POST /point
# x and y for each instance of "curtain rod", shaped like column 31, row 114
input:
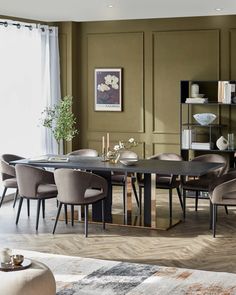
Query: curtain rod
column 19, row 25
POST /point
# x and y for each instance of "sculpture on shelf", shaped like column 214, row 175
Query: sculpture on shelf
column 222, row 143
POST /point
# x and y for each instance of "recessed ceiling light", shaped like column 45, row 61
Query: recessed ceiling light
column 110, row 6
column 218, row 9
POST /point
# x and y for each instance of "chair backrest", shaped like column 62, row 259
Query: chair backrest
column 29, row 178
column 167, row 157
column 7, row 170
column 72, row 185
column 214, row 158
column 84, row 152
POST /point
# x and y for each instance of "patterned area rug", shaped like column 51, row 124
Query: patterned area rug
column 85, row 276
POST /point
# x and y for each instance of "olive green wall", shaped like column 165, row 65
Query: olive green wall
column 154, row 55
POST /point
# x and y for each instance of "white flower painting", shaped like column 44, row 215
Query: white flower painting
column 108, row 89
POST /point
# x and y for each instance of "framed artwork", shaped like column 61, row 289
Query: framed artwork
column 108, row 89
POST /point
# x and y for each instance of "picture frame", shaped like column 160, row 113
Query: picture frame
column 108, row 89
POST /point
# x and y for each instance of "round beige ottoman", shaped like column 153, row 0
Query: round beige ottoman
column 35, row 280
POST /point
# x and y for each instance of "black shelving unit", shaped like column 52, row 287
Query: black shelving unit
column 213, row 131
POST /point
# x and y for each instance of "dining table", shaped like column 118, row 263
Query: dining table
column 149, row 168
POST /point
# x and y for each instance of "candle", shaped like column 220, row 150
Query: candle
column 108, row 142
column 103, row 144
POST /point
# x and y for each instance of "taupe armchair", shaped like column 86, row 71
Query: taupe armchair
column 222, row 193
column 119, row 179
column 84, row 152
column 35, row 184
column 202, row 183
column 168, row 182
column 80, row 188
column 9, row 175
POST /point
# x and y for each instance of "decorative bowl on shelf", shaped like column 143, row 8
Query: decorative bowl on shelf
column 204, row 118
column 128, row 162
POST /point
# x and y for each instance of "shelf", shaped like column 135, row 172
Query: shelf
column 210, row 103
column 208, row 126
column 211, row 150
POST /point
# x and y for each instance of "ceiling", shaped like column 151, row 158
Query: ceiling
column 91, row 10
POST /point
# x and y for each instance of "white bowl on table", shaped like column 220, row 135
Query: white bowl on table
column 128, row 162
column 204, row 119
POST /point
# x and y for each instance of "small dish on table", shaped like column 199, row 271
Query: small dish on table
column 129, row 162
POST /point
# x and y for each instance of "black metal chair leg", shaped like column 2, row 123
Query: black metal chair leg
column 58, row 214
column 211, row 213
column 196, row 200
column 140, row 201
column 3, row 196
column 180, row 197
column 86, row 220
column 28, row 207
column 72, row 215
column 214, row 220
column 135, row 191
column 226, row 210
column 38, row 212
column 15, row 198
column 170, row 203
column 184, row 203
column 19, row 210
column 124, row 197
column 43, row 208
column 103, row 214
column 65, row 210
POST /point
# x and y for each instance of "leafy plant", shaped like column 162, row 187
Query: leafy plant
column 60, row 120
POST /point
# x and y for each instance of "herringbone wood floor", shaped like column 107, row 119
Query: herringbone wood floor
column 189, row 244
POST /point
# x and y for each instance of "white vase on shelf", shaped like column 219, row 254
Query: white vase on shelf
column 222, row 143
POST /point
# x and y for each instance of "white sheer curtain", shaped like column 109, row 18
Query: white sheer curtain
column 29, row 79
column 29, row 82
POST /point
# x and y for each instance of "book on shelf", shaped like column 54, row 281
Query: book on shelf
column 201, row 145
column 196, row 100
column 226, row 90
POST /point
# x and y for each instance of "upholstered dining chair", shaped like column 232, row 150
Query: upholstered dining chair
column 119, row 178
column 35, row 184
column 168, row 182
column 202, row 183
column 9, row 175
column 80, row 188
column 84, row 152
column 222, row 192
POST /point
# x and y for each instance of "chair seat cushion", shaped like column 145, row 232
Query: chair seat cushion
column 197, row 184
column 47, row 191
column 10, row 183
column 92, row 195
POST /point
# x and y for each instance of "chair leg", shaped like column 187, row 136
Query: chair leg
column 72, row 215
column 65, row 210
column 211, row 213
column 43, row 208
column 19, row 209
column 180, row 197
column 135, row 191
column 124, row 197
column 38, row 212
column 15, row 198
column 86, row 220
column 58, row 214
column 214, row 220
column 103, row 214
column 140, row 200
column 196, row 200
column 184, row 203
column 170, row 203
column 226, row 210
column 3, row 196
column 28, row 207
